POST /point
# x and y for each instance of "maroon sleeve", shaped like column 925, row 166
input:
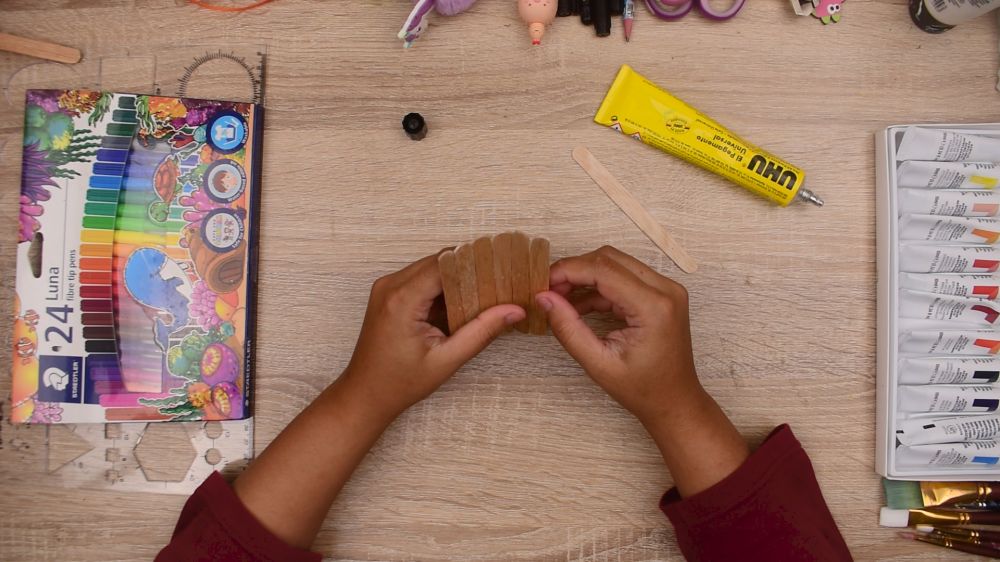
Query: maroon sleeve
column 771, row 508
column 214, row 525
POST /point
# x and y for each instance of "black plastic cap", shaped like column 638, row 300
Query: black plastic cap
column 415, row 126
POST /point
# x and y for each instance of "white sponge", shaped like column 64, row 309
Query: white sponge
column 889, row 517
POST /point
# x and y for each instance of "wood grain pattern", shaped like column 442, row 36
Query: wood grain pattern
column 501, row 267
column 452, row 288
column 520, row 274
column 465, row 259
column 520, row 457
column 485, row 272
column 634, row 209
column 538, row 323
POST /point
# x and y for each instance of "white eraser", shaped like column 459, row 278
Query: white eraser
column 889, row 517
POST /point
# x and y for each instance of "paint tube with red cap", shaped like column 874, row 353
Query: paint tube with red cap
column 928, row 306
column 980, row 203
column 923, row 258
column 949, row 370
column 982, row 398
column 969, row 286
column 931, row 228
column 950, row 342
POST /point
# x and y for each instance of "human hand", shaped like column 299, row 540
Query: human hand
column 401, row 357
column 648, row 365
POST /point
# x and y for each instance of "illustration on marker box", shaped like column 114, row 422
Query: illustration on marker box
column 134, row 293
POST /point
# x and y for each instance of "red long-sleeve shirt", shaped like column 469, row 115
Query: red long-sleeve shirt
column 770, row 509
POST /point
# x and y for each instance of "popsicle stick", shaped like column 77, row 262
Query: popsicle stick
column 39, row 49
column 520, row 273
column 466, row 259
column 448, row 265
column 487, row 287
column 501, row 267
column 539, row 281
column 634, row 209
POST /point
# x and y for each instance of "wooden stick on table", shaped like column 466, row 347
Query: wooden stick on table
column 40, row 49
column 634, row 209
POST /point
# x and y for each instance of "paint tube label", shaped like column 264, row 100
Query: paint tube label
column 930, row 228
column 949, row 398
column 948, row 430
column 949, row 370
column 946, row 146
column 948, row 175
column 928, row 306
column 922, row 258
column 949, row 203
column 969, row 286
column 984, row 454
column 950, row 342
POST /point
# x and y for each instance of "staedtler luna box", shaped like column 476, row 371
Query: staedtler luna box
column 136, row 258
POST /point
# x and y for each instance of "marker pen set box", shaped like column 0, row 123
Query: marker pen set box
column 938, row 255
column 135, row 258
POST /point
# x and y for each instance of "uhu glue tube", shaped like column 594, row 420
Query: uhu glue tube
column 956, row 429
column 636, row 107
column 946, row 202
column 949, row 370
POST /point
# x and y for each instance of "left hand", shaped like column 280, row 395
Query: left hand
column 400, row 357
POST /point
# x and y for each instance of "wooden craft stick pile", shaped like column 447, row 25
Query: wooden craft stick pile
column 509, row 268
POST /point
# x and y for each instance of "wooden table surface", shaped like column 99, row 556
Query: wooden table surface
column 520, row 456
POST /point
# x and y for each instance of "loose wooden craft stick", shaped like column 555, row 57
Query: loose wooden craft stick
column 501, row 267
column 539, row 281
column 520, row 267
column 448, row 266
column 39, row 49
column 634, row 209
column 466, row 258
column 486, row 284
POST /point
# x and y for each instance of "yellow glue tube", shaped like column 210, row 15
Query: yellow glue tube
column 636, row 107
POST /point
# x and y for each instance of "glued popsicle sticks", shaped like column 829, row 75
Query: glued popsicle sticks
column 509, row 268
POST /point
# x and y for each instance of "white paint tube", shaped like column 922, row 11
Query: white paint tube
column 956, row 429
column 923, row 258
column 949, row 370
column 975, row 454
column 949, row 398
column 948, row 175
column 930, row 228
column 949, row 203
column 946, row 146
column 950, row 342
column 958, row 310
column 969, row 286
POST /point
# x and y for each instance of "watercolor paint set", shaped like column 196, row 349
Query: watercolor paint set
column 136, row 258
column 938, row 339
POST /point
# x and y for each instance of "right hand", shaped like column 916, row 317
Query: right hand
column 648, row 365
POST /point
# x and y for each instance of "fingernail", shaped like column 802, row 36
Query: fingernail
column 545, row 303
column 512, row 319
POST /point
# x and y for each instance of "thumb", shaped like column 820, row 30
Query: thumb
column 572, row 332
column 473, row 337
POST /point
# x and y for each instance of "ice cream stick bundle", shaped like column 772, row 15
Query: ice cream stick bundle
column 508, row 268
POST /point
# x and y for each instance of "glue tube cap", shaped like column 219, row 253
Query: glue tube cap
column 415, row 126
column 889, row 517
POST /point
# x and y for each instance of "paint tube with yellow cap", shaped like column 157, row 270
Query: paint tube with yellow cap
column 948, row 175
column 636, row 107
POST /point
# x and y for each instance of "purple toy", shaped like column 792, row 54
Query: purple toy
column 417, row 21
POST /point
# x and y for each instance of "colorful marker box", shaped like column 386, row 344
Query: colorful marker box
column 136, row 258
column 938, row 264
